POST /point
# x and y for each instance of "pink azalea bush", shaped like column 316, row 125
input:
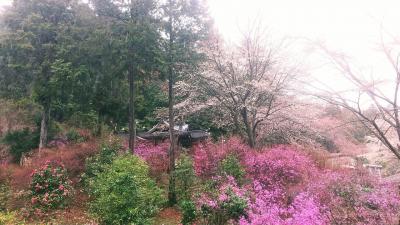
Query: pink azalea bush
column 208, row 155
column 156, row 156
column 226, row 202
column 269, row 207
column 354, row 197
column 280, row 166
column 285, row 187
column 50, row 186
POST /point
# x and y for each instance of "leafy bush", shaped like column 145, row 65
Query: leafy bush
column 124, row 193
column 21, row 141
column 184, row 177
column 189, row 212
column 230, row 166
column 229, row 203
column 5, row 194
column 99, row 163
column 50, row 187
column 10, row 218
column 74, row 136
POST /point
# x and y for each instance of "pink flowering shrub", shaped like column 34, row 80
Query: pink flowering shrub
column 156, row 156
column 269, row 207
column 207, row 155
column 331, row 197
column 356, row 198
column 280, row 166
column 287, row 188
column 229, row 203
column 50, row 187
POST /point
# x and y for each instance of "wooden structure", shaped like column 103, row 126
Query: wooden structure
column 160, row 132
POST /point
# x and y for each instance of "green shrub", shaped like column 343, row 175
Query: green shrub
column 188, row 209
column 124, row 193
column 232, row 207
column 5, row 194
column 99, row 163
column 230, row 166
column 87, row 120
column 50, row 187
column 74, row 136
column 10, row 218
column 184, row 177
column 21, row 141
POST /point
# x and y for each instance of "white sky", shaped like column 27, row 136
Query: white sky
column 342, row 22
column 352, row 26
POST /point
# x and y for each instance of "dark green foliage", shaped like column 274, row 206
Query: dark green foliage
column 125, row 194
column 189, row 212
column 235, row 207
column 5, row 192
column 99, row 163
column 231, row 209
column 149, row 98
column 185, row 177
column 74, row 136
column 230, row 166
column 204, row 121
column 83, row 119
column 72, row 58
column 21, row 141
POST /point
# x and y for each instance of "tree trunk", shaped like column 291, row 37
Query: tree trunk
column 132, row 123
column 171, row 153
column 237, row 130
column 44, row 126
column 249, row 130
column 171, row 189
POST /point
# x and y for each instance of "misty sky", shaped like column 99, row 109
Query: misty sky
column 354, row 27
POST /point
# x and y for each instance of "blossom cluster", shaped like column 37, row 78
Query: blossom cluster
column 50, row 186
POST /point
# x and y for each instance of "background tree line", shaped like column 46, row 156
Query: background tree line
column 107, row 61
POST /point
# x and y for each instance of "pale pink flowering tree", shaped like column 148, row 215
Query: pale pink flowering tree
column 247, row 83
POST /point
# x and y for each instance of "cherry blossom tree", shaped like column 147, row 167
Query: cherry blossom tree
column 247, row 83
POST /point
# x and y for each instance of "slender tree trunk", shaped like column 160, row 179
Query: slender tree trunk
column 44, row 126
column 132, row 123
column 249, row 130
column 171, row 185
